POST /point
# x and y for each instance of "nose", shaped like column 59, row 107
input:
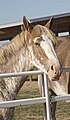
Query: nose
column 54, row 72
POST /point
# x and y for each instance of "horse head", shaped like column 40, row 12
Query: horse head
column 40, row 43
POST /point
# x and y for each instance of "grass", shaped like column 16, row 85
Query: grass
column 35, row 112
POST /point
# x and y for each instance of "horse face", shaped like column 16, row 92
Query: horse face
column 42, row 52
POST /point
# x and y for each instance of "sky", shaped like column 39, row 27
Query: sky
column 14, row 10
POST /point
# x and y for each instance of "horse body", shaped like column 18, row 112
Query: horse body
column 62, row 87
column 26, row 50
column 63, row 51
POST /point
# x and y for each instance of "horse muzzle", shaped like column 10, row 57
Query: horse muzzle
column 54, row 72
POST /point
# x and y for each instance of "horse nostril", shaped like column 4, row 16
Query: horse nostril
column 55, row 73
column 52, row 67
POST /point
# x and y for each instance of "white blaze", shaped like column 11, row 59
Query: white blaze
column 48, row 48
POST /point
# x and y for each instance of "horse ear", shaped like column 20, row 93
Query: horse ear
column 27, row 24
column 49, row 24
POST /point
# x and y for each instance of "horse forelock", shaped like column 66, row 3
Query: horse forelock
column 50, row 35
column 39, row 30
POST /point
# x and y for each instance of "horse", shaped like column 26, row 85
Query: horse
column 33, row 46
column 62, row 86
column 64, row 56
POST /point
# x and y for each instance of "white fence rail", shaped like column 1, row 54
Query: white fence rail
column 29, row 101
column 27, row 73
column 15, row 103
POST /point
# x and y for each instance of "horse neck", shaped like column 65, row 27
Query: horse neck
column 17, row 57
column 17, row 62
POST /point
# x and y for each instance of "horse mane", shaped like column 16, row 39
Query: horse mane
column 12, row 48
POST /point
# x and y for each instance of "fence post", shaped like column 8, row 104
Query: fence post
column 42, row 91
column 43, row 94
column 47, row 105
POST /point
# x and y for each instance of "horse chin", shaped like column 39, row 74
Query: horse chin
column 52, row 78
column 55, row 78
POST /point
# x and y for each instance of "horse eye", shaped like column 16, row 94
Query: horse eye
column 38, row 44
column 38, row 41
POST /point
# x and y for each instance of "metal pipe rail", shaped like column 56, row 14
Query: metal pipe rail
column 30, row 101
column 44, row 99
column 60, row 98
column 4, row 75
column 15, row 103
column 66, row 69
column 27, row 73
